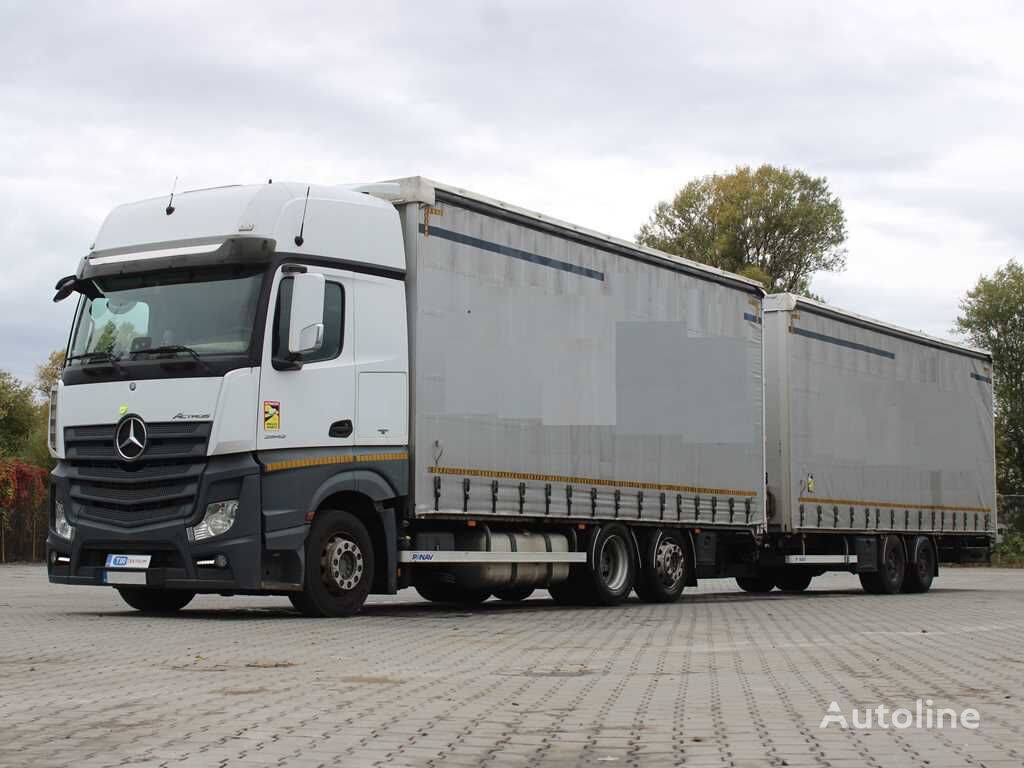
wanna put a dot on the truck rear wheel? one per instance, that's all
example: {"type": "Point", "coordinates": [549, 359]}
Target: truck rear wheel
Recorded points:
{"type": "Point", "coordinates": [758, 585]}
{"type": "Point", "coordinates": [156, 600]}
{"type": "Point", "coordinates": [920, 574]}
{"type": "Point", "coordinates": [796, 580]}
{"type": "Point", "coordinates": [663, 563]}
{"type": "Point", "coordinates": [339, 566]}
{"type": "Point", "coordinates": [611, 572]}
{"type": "Point", "coordinates": [892, 569]}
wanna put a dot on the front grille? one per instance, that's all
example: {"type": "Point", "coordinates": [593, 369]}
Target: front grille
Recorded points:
{"type": "Point", "coordinates": [161, 485]}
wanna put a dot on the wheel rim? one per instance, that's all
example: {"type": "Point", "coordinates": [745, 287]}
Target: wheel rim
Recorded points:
{"type": "Point", "coordinates": [668, 563]}
{"type": "Point", "coordinates": [924, 566]}
{"type": "Point", "coordinates": [892, 565]}
{"type": "Point", "coordinates": [613, 563]}
{"type": "Point", "coordinates": [341, 564]}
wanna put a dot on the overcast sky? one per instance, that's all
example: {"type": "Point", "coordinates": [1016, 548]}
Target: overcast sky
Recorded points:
{"type": "Point", "coordinates": [588, 111]}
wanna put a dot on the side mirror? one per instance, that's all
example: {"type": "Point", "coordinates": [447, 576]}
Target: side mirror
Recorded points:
{"type": "Point", "coordinates": [306, 324]}
{"type": "Point", "coordinates": [64, 287]}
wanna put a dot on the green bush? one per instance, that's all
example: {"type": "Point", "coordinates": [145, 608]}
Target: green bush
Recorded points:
{"type": "Point", "coordinates": [1010, 551]}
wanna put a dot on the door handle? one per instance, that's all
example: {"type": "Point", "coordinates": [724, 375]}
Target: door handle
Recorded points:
{"type": "Point", "coordinates": [341, 428]}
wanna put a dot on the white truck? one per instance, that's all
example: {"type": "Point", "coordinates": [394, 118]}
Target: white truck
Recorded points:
{"type": "Point", "coordinates": [327, 392]}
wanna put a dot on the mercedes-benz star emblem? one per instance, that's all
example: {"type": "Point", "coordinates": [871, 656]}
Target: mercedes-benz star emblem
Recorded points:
{"type": "Point", "coordinates": [130, 438]}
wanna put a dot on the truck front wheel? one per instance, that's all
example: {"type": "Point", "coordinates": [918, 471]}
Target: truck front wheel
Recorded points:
{"type": "Point", "coordinates": [339, 566]}
{"type": "Point", "coordinates": [156, 600]}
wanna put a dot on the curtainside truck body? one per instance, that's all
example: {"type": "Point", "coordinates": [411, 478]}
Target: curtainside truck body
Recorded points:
{"type": "Point", "coordinates": [324, 392]}
{"type": "Point", "coordinates": [880, 450]}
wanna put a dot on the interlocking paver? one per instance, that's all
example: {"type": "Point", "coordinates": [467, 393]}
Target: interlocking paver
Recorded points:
{"type": "Point", "coordinates": [721, 678]}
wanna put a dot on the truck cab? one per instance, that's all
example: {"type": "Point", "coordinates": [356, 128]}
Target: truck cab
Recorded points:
{"type": "Point", "coordinates": [221, 337]}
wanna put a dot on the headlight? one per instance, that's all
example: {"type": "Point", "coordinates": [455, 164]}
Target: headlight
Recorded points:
{"type": "Point", "coordinates": [61, 526]}
{"type": "Point", "coordinates": [219, 518]}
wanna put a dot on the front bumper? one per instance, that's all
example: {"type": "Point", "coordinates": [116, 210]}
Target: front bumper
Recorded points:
{"type": "Point", "coordinates": [173, 563]}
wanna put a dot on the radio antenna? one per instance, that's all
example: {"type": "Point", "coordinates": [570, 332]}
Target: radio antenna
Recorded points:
{"type": "Point", "coordinates": [302, 225]}
{"type": "Point", "coordinates": [170, 203]}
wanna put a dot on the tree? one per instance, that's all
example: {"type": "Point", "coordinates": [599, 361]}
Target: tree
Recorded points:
{"type": "Point", "coordinates": [23, 503]}
{"type": "Point", "coordinates": [107, 338]}
{"type": "Point", "coordinates": [35, 449]}
{"type": "Point", "coordinates": [775, 225]}
{"type": "Point", "coordinates": [992, 317]}
{"type": "Point", "coordinates": [47, 373]}
{"type": "Point", "coordinates": [17, 414]}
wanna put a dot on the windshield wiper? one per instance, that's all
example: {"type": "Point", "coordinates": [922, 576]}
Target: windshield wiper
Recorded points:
{"type": "Point", "coordinates": [171, 349]}
{"type": "Point", "coordinates": [98, 356]}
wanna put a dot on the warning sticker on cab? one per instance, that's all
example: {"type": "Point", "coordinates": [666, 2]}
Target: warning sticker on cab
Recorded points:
{"type": "Point", "coordinates": [271, 415]}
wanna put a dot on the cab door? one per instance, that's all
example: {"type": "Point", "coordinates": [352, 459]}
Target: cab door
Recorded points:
{"type": "Point", "coordinates": [312, 405]}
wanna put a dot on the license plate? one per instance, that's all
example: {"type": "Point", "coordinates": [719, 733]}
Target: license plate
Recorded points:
{"type": "Point", "coordinates": [128, 561]}
{"type": "Point", "coordinates": [124, 577]}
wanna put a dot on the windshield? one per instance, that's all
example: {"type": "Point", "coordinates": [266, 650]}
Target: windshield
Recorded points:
{"type": "Point", "coordinates": [210, 311]}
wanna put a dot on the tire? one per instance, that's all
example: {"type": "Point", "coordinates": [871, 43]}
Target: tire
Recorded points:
{"type": "Point", "coordinates": [440, 592]}
{"type": "Point", "coordinates": [892, 569]}
{"type": "Point", "coordinates": [664, 560]}
{"type": "Point", "coordinates": [757, 585]}
{"type": "Point", "coordinates": [339, 566]}
{"type": "Point", "coordinates": [919, 576]}
{"type": "Point", "coordinates": [513, 594]}
{"type": "Point", "coordinates": [869, 582]}
{"type": "Point", "coordinates": [156, 600]}
{"type": "Point", "coordinates": [611, 569]}
{"type": "Point", "coordinates": [300, 601]}
{"type": "Point", "coordinates": [796, 580]}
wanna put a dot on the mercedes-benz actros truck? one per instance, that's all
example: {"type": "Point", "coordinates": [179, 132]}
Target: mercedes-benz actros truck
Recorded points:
{"type": "Point", "coordinates": [331, 391]}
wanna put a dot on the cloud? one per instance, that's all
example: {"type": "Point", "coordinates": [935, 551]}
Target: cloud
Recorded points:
{"type": "Point", "coordinates": [590, 112]}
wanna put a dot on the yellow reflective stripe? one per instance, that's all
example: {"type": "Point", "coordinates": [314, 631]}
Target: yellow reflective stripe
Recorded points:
{"type": "Point", "coordinates": [344, 458]}
{"type": "Point", "coordinates": [500, 474]}
{"type": "Point", "coordinates": [888, 504]}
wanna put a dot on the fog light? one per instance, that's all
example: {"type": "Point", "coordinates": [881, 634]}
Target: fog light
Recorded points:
{"type": "Point", "coordinates": [219, 518]}
{"type": "Point", "coordinates": [220, 561]}
{"type": "Point", "coordinates": [61, 526]}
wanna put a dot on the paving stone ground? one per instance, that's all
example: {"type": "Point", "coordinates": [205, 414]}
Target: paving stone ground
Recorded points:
{"type": "Point", "coordinates": [721, 678]}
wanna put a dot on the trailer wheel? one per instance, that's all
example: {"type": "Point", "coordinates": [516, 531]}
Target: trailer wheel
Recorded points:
{"type": "Point", "coordinates": [156, 600]}
{"type": "Point", "coordinates": [919, 575]}
{"type": "Point", "coordinates": [793, 581]}
{"type": "Point", "coordinates": [758, 585]}
{"type": "Point", "coordinates": [611, 571]}
{"type": "Point", "coordinates": [513, 594]}
{"type": "Point", "coordinates": [663, 567]}
{"type": "Point", "coordinates": [892, 569]}
{"type": "Point", "coordinates": [339, 566]}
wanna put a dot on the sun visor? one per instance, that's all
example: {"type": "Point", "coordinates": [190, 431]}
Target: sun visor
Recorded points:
{"type": "Point", "coordinates": [182, 254]}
